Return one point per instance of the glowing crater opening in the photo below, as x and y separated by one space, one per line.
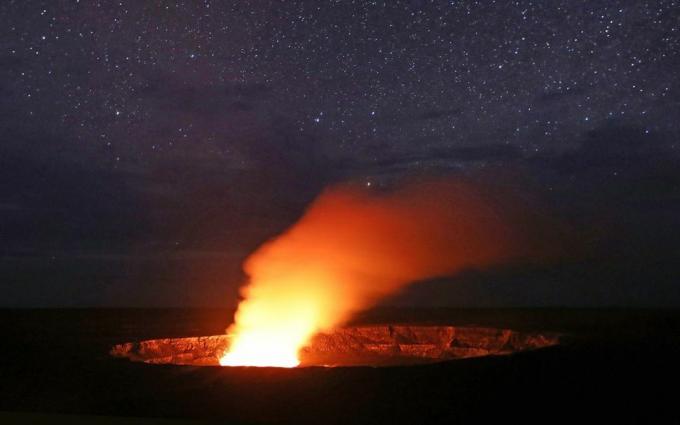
365 345
261 349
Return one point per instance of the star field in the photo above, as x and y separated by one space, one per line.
367 80
159 142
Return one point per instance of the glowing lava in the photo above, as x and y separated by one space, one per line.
252 351
352 248
279 315
270 332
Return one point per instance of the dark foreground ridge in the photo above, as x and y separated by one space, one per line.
371 345
610 366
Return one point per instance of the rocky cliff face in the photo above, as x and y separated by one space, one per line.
199 351
386 344
359 345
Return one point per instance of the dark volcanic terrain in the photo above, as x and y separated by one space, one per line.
613 365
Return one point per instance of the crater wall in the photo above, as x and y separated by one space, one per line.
375 345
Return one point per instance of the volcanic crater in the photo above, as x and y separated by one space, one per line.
367 345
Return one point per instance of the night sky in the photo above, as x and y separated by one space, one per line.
148 146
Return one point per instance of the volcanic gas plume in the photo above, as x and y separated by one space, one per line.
353 247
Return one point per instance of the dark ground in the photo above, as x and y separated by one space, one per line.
616 366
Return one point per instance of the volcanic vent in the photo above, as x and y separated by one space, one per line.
352 248
373 345
348 251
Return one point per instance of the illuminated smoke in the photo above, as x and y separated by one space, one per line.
353 247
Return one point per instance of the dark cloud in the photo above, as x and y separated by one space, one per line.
590 283
615 146
623 184
441 158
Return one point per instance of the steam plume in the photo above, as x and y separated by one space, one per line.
353 247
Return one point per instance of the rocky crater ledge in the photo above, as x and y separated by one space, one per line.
374 345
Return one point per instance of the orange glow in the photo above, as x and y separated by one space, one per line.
352 248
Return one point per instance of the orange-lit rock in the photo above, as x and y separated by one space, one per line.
358 345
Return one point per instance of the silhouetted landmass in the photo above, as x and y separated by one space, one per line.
613 365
